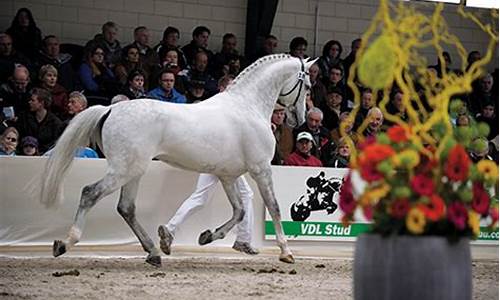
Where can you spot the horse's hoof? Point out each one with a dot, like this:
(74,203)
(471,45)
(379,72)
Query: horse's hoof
(205,237)
(287,259)
(58,248)
(166,239)
(154,260)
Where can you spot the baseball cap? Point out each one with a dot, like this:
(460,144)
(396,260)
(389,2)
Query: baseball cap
(305,135)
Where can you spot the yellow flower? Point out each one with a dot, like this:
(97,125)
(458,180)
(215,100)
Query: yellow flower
(474,222)
(488,169)
(415,221)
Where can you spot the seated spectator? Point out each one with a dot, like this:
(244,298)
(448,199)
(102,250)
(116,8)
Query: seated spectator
(283,135)
(166,91)
(77,102)
(222,60)
(330,56)
(86,152)
(15,92)
(482,94)
(9,57)
(8,142)
(29,146)
(318,89)
(169,59)
(48,80)
(27,37)
(367,103)
(119,98)
(129,61)
(108,42)
(336,79)
(302,155)
(268,47)
(39,122)
(332,108)
(342,155)
(348,123)
(298,47)
(375,120)
(199,72)
(97,79)
(135,85)
(437,66)
(197,44)
(349,60)
(51,55)
(148,56)
(196,92)
(224,82)
(489,117)
(472,57)
(169,42)
(479,150)
(463,120)
(324,146)
(396,107)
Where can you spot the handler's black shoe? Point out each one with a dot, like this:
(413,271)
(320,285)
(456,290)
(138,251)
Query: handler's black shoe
(245,248)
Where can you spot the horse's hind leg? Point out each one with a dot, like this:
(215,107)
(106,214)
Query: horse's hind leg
(126,208)
(238,213)
(90,195)
(265,183)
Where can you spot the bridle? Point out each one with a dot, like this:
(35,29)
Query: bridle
(301,76)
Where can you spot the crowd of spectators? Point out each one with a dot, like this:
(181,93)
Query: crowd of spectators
(44,83)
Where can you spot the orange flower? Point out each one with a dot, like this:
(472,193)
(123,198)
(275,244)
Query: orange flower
(457,166)
(435,209)
(378,152)
(398,134)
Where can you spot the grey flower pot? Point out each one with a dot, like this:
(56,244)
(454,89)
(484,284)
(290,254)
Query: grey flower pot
(407,267)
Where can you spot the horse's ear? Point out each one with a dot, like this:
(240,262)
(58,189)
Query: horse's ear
(310,62)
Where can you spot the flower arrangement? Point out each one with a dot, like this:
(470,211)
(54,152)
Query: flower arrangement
(417,176)
(417,190)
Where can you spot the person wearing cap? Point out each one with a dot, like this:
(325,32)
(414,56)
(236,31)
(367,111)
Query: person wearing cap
(29,146)
(166,91)
(302,155)
(282,134)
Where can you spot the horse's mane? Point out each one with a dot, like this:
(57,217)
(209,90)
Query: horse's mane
(255,66)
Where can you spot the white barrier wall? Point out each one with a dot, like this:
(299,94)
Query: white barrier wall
(24,221)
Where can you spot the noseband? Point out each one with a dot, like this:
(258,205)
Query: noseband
(301,76)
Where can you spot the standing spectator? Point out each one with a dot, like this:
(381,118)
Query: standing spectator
(48,80)
(197,44)
(8,141)
(323,144)
(149,57)
(51,54)
(107,41)
(130,61)
(29,146)
(169,42)
(166,91)
(228,53)
(9,57)
(39,122)
(318,89)
(298,47)
(349,60)
(330,57)
(283,135)
(97,79)
(302,155)
(135,85)
(15,92)
(27,37)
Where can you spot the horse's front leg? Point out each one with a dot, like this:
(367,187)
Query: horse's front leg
(263,177)
(126,208)
(238,213)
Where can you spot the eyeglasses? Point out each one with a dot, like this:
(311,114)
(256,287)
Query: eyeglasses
(12,139)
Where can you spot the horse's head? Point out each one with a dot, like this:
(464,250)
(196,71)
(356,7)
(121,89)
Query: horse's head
(293,94)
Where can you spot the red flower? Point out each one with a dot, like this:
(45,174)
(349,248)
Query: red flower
(370,173)
(366,142)
(422,185)
(494,215)
(480,199)
(457,166)
(435,209)
(457,215)
(378,152)
(346,199)
(399,208)
(398,134)
(369,159)
(368,212)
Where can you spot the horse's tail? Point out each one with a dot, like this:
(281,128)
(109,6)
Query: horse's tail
(81,129)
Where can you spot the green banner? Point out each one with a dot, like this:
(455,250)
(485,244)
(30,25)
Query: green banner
(335,229)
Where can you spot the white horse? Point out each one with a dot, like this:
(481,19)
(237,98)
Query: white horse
(226,135)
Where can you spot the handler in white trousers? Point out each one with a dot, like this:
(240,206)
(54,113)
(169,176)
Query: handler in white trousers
(205,188)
